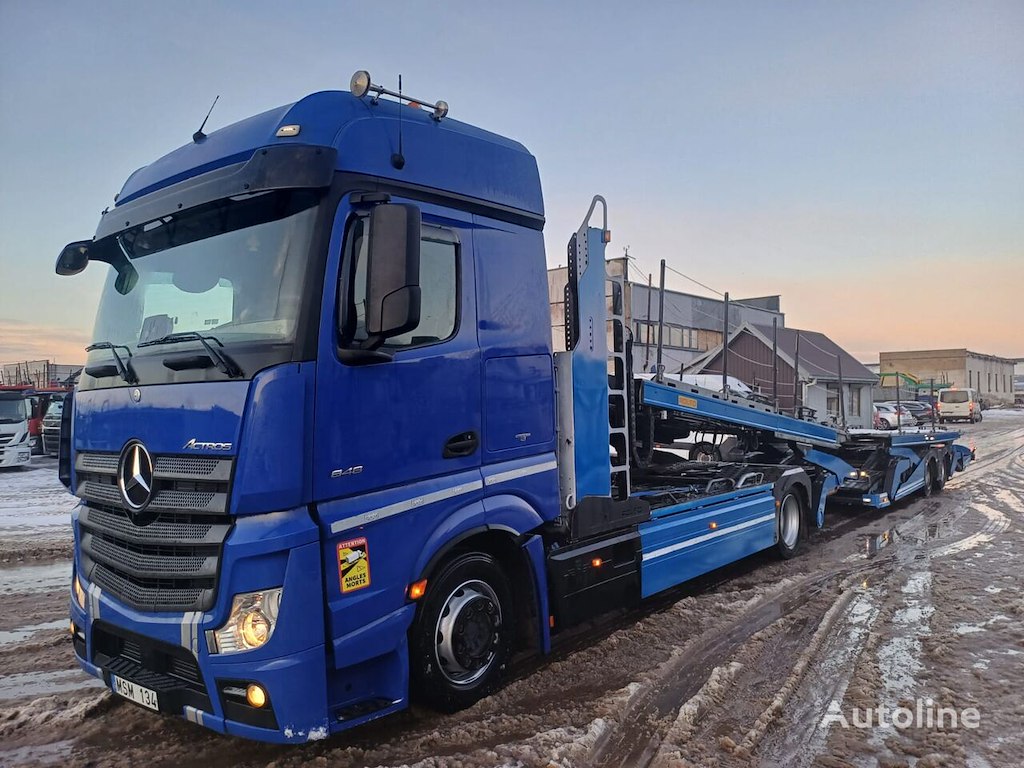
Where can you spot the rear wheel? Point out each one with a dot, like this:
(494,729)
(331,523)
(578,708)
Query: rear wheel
(885,423)
(462,636)
(789,517)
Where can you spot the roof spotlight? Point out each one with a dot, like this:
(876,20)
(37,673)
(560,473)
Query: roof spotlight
(360,83)
(440,110)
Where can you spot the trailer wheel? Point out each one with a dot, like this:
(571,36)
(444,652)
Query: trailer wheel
(941,476)
(461,639)
(789,520)
(929,478)
(704,452)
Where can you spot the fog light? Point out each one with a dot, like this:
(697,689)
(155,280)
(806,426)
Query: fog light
(79,593)
(255,695)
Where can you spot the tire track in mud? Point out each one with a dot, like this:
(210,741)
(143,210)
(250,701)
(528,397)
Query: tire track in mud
(651,714)
(636,739)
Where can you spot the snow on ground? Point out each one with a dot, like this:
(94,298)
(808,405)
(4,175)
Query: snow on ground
(762,648)
(35,514)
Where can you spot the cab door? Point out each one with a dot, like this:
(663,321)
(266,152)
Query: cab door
(417,416)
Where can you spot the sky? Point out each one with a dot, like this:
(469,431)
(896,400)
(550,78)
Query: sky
(864,160)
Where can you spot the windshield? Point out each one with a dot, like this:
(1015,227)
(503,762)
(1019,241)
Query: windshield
(13,410)
(233,268)
(959,396)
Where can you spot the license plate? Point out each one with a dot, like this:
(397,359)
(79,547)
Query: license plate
(135,692)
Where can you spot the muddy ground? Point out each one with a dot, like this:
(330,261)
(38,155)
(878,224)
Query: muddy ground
(757,664)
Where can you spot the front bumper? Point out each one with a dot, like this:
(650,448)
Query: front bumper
(169,653)
(16,455)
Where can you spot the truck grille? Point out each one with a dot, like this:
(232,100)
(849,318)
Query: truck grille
(5,439)
(167,559)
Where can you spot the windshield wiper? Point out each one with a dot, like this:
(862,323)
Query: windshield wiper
(120,368)
(220,359)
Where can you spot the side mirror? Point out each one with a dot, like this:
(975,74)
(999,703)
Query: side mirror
(74,258)
(392,272)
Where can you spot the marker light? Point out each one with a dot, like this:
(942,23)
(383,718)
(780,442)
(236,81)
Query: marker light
(417,589)
(713,525)
(255,695)
(79,593)
(288,130)
(596,562)
(360,83)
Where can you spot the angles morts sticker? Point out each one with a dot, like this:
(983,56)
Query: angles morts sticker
(353,565)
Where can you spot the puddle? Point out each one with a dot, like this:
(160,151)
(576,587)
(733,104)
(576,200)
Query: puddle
(44,754)
(19,635)
(28,684)
(33,579)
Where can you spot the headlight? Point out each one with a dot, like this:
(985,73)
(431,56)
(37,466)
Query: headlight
(79,592)
(251,623)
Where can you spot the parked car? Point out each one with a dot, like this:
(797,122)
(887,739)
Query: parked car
(889,416)
(920,410)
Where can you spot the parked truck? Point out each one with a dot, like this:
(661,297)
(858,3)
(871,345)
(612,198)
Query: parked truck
(15,437)
(327,460)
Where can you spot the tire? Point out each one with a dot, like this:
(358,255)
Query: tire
(704,452)
(929,478)
(789,524)
(941,476)
(461,639)
(885,423)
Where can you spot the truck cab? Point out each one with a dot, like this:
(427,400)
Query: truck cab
(15,447)
(321,370)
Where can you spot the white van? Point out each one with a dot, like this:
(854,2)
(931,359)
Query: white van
(958,403)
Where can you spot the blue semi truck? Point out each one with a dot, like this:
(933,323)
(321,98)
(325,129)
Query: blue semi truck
(327,460)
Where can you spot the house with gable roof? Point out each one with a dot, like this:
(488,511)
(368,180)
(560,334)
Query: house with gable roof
(813,372)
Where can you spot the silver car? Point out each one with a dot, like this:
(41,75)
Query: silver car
(891,416)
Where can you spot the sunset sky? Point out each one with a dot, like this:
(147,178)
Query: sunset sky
(864,160)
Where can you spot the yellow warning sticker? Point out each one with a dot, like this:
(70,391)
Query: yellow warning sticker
(353,565)
(689,402)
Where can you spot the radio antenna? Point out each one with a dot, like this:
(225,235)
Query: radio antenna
(398,159)
(199,135)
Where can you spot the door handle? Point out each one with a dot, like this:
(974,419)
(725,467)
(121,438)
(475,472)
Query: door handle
(462,444)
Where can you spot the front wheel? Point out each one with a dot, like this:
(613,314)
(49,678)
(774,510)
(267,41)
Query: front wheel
(462,636)
(789,517)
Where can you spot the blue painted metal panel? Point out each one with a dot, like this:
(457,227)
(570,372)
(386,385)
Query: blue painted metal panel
(449,155)
(697,540)
(590,375)
(273,471)
(706,406)
(519,413)
(165,418)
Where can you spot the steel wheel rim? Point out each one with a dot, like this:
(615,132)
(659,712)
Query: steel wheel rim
(789,521)
(467,632)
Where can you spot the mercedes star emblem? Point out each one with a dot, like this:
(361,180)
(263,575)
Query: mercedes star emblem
(135,476)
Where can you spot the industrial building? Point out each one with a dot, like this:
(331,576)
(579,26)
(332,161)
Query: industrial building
(693,324)
(991,376)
